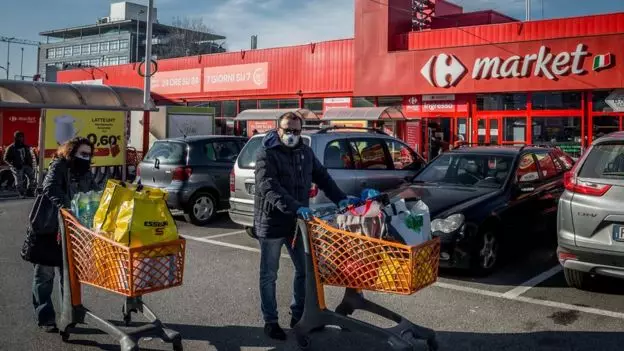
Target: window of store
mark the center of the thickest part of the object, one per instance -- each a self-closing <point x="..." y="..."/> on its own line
<point x="514" y="129"/>
<point x="314" y="105"/>
<point x="557" y="100"/>
<point x="247" y="105"/>
<point x="391" y="101"/>
<point x="598" y="101"/>
<point x="228" y="108"/>
<point x="564" y="132"/>
<point x="363" y="102"/>
<point x="501" y="102"/>
<point x="289" y="103"/>
<point x="268" y="104"/>
<point x="603" y="125"/>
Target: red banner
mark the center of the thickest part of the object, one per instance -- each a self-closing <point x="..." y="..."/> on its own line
<point x="336" y="103"/>
<point x="236" y="77"/>
<point x="177" y="82"/>
<point x="26" y="121"/>
<point x="258" y="127"/>
<point x="413" y="132"/>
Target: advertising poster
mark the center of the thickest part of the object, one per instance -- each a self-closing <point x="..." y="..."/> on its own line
<point x="105" y="129"/>
<point x="189" y="125"/>
<point x="329" y="103"/>
<point x="258" y="127"/>
<point x="413" y="133"/>
<point x="26" y="121"/>
<point x="352" y="124"/>
<point x="177" y="82"/>
<point x="250" y="76"/>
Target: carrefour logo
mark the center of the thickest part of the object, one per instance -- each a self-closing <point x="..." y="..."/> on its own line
<point x="443" y="71"/>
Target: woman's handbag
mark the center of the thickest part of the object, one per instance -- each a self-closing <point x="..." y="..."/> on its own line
<point x="41" y="245"/>
<point x="43" y="218"/>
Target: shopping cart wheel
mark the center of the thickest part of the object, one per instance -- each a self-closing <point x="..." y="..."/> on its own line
<point x="64" y="336"/>
<point x="127" y="316"/>
<point x="303" y="342"/>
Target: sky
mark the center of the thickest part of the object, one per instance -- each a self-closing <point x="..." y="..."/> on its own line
<point x="276" y="22"/>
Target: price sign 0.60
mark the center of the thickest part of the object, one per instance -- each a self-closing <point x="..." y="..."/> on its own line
<point x="103" y="140"/>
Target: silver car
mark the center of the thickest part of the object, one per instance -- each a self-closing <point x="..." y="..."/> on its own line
<point x="355" y="160"/>
<point x="590" y="222"/>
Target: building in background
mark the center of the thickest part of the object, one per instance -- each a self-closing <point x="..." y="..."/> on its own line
<point x="113" y="41"/>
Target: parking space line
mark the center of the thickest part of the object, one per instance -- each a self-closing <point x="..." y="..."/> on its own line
<point x="533" y="282"/>
<point x="448" y="286"/>
<point x="222" y="235"/>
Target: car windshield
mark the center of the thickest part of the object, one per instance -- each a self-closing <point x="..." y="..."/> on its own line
<point x="467" y="170"/>
<point x="604" y="161"/>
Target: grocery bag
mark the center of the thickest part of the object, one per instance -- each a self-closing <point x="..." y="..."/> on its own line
<point x="411" y="227"/>
<point x="364" y="220"/>
<point x="393" y="273"/>
<point x="115" y="193"/>
<point x="84" y="206"/>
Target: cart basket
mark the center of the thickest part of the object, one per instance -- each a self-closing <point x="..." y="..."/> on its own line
<point x="129" y="271"/>
<point x="356" y="261"/>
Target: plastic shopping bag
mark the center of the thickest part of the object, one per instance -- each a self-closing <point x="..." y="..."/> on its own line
<point x="411" y="227"/>
<point x="85" y="205"/>
<point x="115" y="193"/>
<point x="393" y="273"/>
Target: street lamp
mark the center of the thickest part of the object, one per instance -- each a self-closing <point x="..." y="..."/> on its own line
<point x="138" y="36"/>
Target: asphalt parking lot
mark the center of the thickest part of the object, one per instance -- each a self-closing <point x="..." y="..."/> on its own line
<point x="525" y="306"/>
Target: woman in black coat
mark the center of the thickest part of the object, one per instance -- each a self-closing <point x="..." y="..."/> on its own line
<point x="68" y="174"/>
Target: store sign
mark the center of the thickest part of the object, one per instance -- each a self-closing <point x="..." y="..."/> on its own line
<point x="177" y="82"/>
<point x="439" y="97"/>
<point x="329" y="103"/>
<point x="26" y="121"/>
<point x="105" y="129"/>
<point x="411" y="106"/>
<point x="445" y="71"/>
<point x="255" y="127"/>
<point x="251" y="76"/>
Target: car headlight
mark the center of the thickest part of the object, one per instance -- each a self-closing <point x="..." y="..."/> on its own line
<point x="449" y="224"/>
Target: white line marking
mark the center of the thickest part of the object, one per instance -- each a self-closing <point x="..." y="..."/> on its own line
<point x="225" y="234"/>
<point x="510" y="297"/>
<point x="531" y="283"/>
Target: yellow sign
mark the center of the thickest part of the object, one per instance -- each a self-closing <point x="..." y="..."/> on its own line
<point x="105" y="129"/>
<point x="351" y="124"/>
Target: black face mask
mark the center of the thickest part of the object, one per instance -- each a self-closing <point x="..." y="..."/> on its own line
<point x="80" y="166"/>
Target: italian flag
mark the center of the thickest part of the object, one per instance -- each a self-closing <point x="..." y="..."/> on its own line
<point x="602" y="61"/>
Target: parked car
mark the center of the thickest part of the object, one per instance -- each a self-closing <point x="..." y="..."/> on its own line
<point x="482" y="198"/>
<point x="590" y="222"/>
<point x="194" y="171"/>
<point x="356" y="160"/>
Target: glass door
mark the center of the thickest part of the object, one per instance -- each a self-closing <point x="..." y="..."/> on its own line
<point x="488" y="130"/>
<point x="514" y="130"/>
<point x="438" y="135"/>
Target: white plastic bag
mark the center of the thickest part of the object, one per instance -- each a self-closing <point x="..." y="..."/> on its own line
<point x="413" y="226"/>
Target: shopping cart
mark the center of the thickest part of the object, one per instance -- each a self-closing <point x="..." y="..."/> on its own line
<point x="92" y="259"/>
<point x="357" y="262"/>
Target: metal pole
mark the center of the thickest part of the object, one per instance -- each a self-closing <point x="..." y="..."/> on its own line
<point x="148" y="73"/>
<point x="22" y="65"/>
<point x="8" y="58"/>
<point x="42" y="126"/>
<point x="136" y="55"/>
<point x="528" y="10"/>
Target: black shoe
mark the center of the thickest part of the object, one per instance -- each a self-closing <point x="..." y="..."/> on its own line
<point x="49" y="328"/>
<point x="274" y="331"/>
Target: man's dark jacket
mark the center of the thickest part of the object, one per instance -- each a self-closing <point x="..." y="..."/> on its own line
<point x="12" y="156"/>
<point x="284" y="177"/>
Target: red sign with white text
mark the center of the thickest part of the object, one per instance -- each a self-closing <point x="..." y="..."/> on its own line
<point x="413" y="132"/>
<point x="250" y="76"/>
<point x="177" y="82"/>
<point x="254" y="127"/>
<point x="329" y="103"/>
<point x="26" y="121"/>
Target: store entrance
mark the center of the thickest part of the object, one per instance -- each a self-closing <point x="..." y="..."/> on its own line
<point x="437" y="136"/>
<point x="501" y="130"/>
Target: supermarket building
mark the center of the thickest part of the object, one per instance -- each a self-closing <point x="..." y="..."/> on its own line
<point x="481" y="76"/>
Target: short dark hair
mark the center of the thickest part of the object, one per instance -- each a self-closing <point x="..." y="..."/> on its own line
<point x="290" y="116"/>
<point x="18" y="133"/>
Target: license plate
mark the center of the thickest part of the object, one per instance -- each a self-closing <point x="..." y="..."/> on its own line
<point x="618" y="233"/>
<point x="251" y="189"/>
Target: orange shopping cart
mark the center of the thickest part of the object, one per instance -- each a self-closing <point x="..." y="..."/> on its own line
<point x="93" y="259"/>
<point x="357" y="262"/>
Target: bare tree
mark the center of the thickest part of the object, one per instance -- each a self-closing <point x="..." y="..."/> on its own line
<point x="188" y="37"/>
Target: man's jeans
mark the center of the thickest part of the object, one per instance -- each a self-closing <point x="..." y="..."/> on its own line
<point x="21" y="176"/>
<point x="270" y="252"/>
<point x="43" y="283"/>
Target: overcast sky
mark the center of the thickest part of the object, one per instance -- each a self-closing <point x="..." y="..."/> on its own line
<point x="276" y="22"/>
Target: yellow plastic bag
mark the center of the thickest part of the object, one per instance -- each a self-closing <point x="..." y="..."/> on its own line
<point x="115" y="193"/>
<point x="145" y="219"/>
<point x="393" y="274"/>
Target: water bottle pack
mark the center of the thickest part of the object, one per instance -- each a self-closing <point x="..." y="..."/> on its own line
<point x="84" y="206"/>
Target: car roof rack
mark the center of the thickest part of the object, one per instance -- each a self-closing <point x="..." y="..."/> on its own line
<point x="324" y="130"/>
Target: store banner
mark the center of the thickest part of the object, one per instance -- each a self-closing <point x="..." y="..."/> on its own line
<point x="177" y="82"/>
<point x="105" y="129"/>
<point x="411" y="106"/>
<point x="329" y="103"/>
<point x="257" y="127"/>
<point x="26" y="121"/>
<point x="350" y="124"/>
<point x="251" y="76"/>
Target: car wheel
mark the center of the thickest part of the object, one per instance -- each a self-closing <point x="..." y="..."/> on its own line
<point x="201" y="208"/>
<point x="577" y="279"/>
<point x="251" y="232"/>
<point x="487" y="255"/>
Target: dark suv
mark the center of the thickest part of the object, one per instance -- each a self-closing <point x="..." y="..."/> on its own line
<point x="194" y="171"/>
<point x="482" y="198"/>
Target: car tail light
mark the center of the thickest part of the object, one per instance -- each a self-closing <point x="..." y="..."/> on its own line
<point x="314" y="190"/>
<point x="232" y="181"/>
<point x="566" y="256"/>
<point x="182" y="173"/>
<point x="573" y="184"/>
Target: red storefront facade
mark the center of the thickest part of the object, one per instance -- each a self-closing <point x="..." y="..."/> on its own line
<point x="506" y="83"/>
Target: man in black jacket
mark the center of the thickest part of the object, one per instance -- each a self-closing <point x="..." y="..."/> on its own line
<point x="21" y="159"/>
<point x="285" y="170"/>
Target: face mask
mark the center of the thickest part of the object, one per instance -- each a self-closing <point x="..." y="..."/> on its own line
<point x="81" y="165"/>
<point x="290" y="140"/>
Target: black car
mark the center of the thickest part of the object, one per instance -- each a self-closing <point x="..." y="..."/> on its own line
<point x="480" y="198"/>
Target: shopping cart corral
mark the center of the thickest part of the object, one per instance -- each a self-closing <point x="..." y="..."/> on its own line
<point x="92" y="259"/>
<point x="357" y="262"/>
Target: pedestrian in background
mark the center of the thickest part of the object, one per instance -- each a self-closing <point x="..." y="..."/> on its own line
<point x="285" y="170"/>
<point x="21" y="159"/>
<point x="68" y="174"/>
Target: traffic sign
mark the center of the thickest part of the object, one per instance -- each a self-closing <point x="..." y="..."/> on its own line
<point x="616" y="100"/>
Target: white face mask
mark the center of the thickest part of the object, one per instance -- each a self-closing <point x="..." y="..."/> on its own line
<point x="290" y="140"/>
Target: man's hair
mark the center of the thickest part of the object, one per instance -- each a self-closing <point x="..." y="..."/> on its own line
<point x="18" y="133"/>
<point x="290" y="116"/>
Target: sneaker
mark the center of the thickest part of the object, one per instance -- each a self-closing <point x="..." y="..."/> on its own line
<point x="49" y="328"/>
<point x="274" y="331"/>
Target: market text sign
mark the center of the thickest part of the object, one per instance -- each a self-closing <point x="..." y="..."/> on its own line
<point x="251" y="76"/>
<point x="446" y="70"/>
<point x="177" y="82"/>
<point x="105" y="129"/>
<point x="26" y="121"/>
